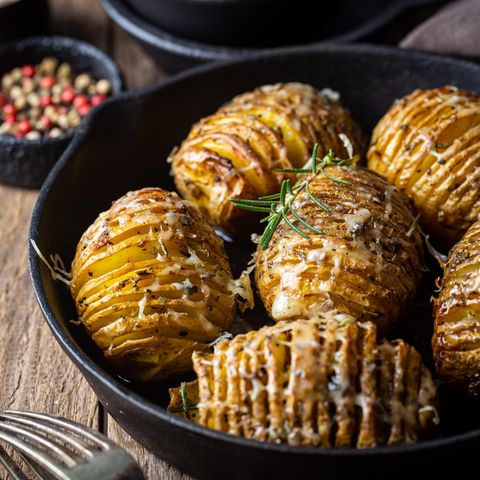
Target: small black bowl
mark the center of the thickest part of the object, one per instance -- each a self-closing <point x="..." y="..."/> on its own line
<point x="238" y="22"/>
<point x="123" y="146"/>
<point x="22" y="18"/>
<point x="334" y="21"/>
<point x="26" y="163"/>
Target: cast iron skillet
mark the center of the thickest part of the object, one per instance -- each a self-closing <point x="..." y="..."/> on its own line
<point x="124" y="146"/>
<point x="175" y="43"/>
<point x="23" y="18"/>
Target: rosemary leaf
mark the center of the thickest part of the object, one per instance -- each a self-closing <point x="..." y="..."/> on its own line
<point x="294" y="227"/>
<point x="413" y="226"/>
<point x="267" y="219"/>
<point x="314" y="159"/>
<point x="244" y="201"/>
<point x="336" y="179"/>
<point x="317" y="202"/>
<point x="294" y="170"/>
<point x="252" y="208"/>
<point x="185" y="399"/>
<point x="306" y="224"/>
<point x="275" y="196"/>
<point x="269" y="231"/>
<point x="283" y="191"/>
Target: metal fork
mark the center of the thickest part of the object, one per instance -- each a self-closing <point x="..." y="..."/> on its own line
<point x="63" y="449"/>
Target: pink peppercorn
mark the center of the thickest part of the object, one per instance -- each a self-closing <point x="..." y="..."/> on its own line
<point x="24" y="126"/>
<point x="67" y="95"/>
<point x="28" y="71"/>
<point x="12" y="118"/>
<point x="3" y="101"/>
<point x="45" y="122"/>
<point x="84" y="109"/>
<point x="79" y="101"/>
<point x="46" y="100"/>
<point x="97" y="99"/>
<point x="9" y="109"/>
<point x="47" y="81"/>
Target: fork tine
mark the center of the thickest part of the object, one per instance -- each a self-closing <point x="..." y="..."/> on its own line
<point x="86" y="432"/>
<point x="6" y="428"/>
<point x="41" y="473"/>
<point x="10" y="466"/>
<point x="68" y="439"/>
<point x="29" y="450"/>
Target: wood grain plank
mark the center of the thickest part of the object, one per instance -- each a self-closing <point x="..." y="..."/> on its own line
<point x="36" y="375"/>
<point x="138" y="68"/>
<point x="82" y="19"/>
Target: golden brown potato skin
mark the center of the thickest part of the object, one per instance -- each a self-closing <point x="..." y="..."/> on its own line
<point x="428" y="145"/>
<point x="456" y="338"/>
<point x="366" y="264"/>
<point x="236" y="151"/>
<point x="324" y="382"/>
<point x="151" y="284"/>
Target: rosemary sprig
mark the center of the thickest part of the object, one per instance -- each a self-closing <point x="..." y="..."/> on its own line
<point x="186" y="404"/>
<point x="313" y="165"/>
<point x="279" y="205"/>
<point x="413" y="226"/>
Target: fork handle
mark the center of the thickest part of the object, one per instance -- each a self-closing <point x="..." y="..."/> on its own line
<point x="117" y="465"/>
<point x="132" y="473"/>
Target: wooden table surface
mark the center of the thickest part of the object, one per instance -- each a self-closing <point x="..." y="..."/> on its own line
<point x="36" y="374"/>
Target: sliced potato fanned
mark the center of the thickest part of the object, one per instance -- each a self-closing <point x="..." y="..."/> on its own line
<point x="323" y="382"/>
<point x="365" y="260"/>
<point x="152" y="283"/>
<point x="456" y="337"/>
<point x="428" y="145"/>
<point x="237" y="151"/>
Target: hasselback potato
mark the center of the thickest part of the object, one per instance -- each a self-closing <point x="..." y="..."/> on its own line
<point x="237" y="151"/>
<point x="456" y="338"/>
<point x="151" y="283"/>
<point x="366" y="261"/>
<point x="323" y="382"/>
<point x="428" y="145"/>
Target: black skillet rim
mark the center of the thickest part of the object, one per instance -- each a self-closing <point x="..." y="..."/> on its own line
<point x="159" y="38"/>
<point x="109" y="382"/>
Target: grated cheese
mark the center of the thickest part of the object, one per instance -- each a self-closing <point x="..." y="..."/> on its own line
<point x="57" y="271"/>
<point x="347" y="144"/>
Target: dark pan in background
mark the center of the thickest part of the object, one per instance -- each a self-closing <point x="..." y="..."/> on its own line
<point x="22" y="18"/>
<point x="180" y="34"/>
<point x="123" y="146"/>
